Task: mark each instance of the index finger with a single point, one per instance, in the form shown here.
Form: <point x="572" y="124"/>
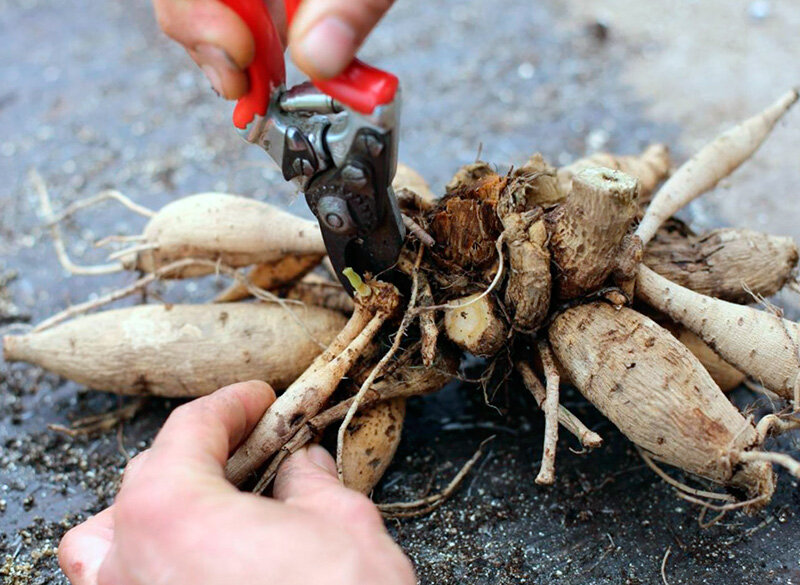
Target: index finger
<point x="202" y="433"/>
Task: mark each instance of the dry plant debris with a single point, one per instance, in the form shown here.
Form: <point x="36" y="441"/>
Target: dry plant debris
<point x="577" y="275"/>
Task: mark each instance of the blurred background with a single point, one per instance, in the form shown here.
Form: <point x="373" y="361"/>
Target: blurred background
<point x="93" y="96"/>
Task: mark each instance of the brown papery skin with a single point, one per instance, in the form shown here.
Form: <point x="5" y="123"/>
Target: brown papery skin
<point x="657" y="393"/>
<point x="370" y="443"/>
<point x="759" y="343"/>
<point x="733" y="264"/>
<point x="586" y="231"/>
<point x="180" y="350"/>
<point x="650" y="167"/>
<point x="235" y="230"/>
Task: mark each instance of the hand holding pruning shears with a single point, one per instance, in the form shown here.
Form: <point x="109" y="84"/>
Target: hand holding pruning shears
<point x="323" y="38"/>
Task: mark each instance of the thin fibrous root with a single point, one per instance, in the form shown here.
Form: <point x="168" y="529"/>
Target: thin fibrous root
<point x="100" y="423"/>
<point x="546" y="474"/>
<point x="126" y="202"/>
<point x="711" y="164"/>
<point x="721" y="508"/>
<point x="587" y="437"/>
<point x="679" y="486"/>
<point x="145" y="281"/>
<point x="428" y="504"/>
<point x="58" y="240"/>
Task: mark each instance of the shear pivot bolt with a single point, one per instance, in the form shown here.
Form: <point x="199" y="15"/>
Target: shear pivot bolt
<point x="355" y="176"/>
<point x="333" y="212"/>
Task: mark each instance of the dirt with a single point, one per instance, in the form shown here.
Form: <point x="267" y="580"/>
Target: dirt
<point x="107" y="102"/>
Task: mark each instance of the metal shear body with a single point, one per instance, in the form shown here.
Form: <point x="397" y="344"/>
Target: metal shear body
<point x="336" y="140"/>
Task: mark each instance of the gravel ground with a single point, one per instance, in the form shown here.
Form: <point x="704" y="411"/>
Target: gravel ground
<point x="107" y="102"/>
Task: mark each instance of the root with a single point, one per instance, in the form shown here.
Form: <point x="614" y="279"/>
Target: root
<point x="126" y="202"/>
<point x="664" y="566"/>
<point x="58" y="239"/>
<point x="782" y="459"/>
<point x="587" y="437"/>
<point x="773" y="425"/>
<point x="428" y="504"/>
<point x="306" y="396"/>
<point x="378" y="369"/>
<point x="681" y="487"/>
<point x="100" y="423"/>
<point x="722" y="509"/>
<point x="498" y="277"/>
<point x="546" y="474"/>
<point x="413" y="227"/>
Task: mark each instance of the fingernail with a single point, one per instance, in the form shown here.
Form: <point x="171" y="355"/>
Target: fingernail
<point x="215" y="62"/>
<point x="328" y="46"/>
<point x="321" y="458"/>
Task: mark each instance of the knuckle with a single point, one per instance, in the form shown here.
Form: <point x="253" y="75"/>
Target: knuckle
<point x="165" y="16"/>
<point x="359" y="508"/>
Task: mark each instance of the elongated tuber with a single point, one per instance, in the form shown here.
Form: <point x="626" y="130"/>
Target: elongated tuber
<point x="650" y="167"/>
<point x="235" y="230"/>
<point x="657" y="393"/>
<point x="180" y="350"/>
<point x="733" y="264"/>
<point x="711" y="164"/>
<point x="761" y="344"/>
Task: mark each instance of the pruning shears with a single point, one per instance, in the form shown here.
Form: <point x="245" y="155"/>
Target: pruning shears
<point x="335" y="139"/>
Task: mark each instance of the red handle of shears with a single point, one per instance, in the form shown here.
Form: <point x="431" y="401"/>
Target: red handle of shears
<point x="360" y="87"/>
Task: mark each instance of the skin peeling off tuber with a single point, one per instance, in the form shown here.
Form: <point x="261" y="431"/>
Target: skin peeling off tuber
<point x="180" y="350"/>
<point x="528" y="286"/>
<point x="476" y="326"/>
<point x="587" y="230"/>
<point x="370" y="443"/>
<point x="234" y="230"/>
<point x="759" y="343"/>
<point x="732" y="264"/>
<point x="650" y="167"/>
<point x="657" y="393"/>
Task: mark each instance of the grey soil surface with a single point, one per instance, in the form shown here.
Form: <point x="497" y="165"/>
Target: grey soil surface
<point x="107" y="102"/>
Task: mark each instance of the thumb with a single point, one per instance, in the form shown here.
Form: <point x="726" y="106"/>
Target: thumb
<point x="325" y="34"/>
<point x="308" y="480"/>
<point x="304" y="473"/>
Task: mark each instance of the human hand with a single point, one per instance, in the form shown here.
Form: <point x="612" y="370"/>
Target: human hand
<point x="177" y="520"/>
<point x="323" y="38"/>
